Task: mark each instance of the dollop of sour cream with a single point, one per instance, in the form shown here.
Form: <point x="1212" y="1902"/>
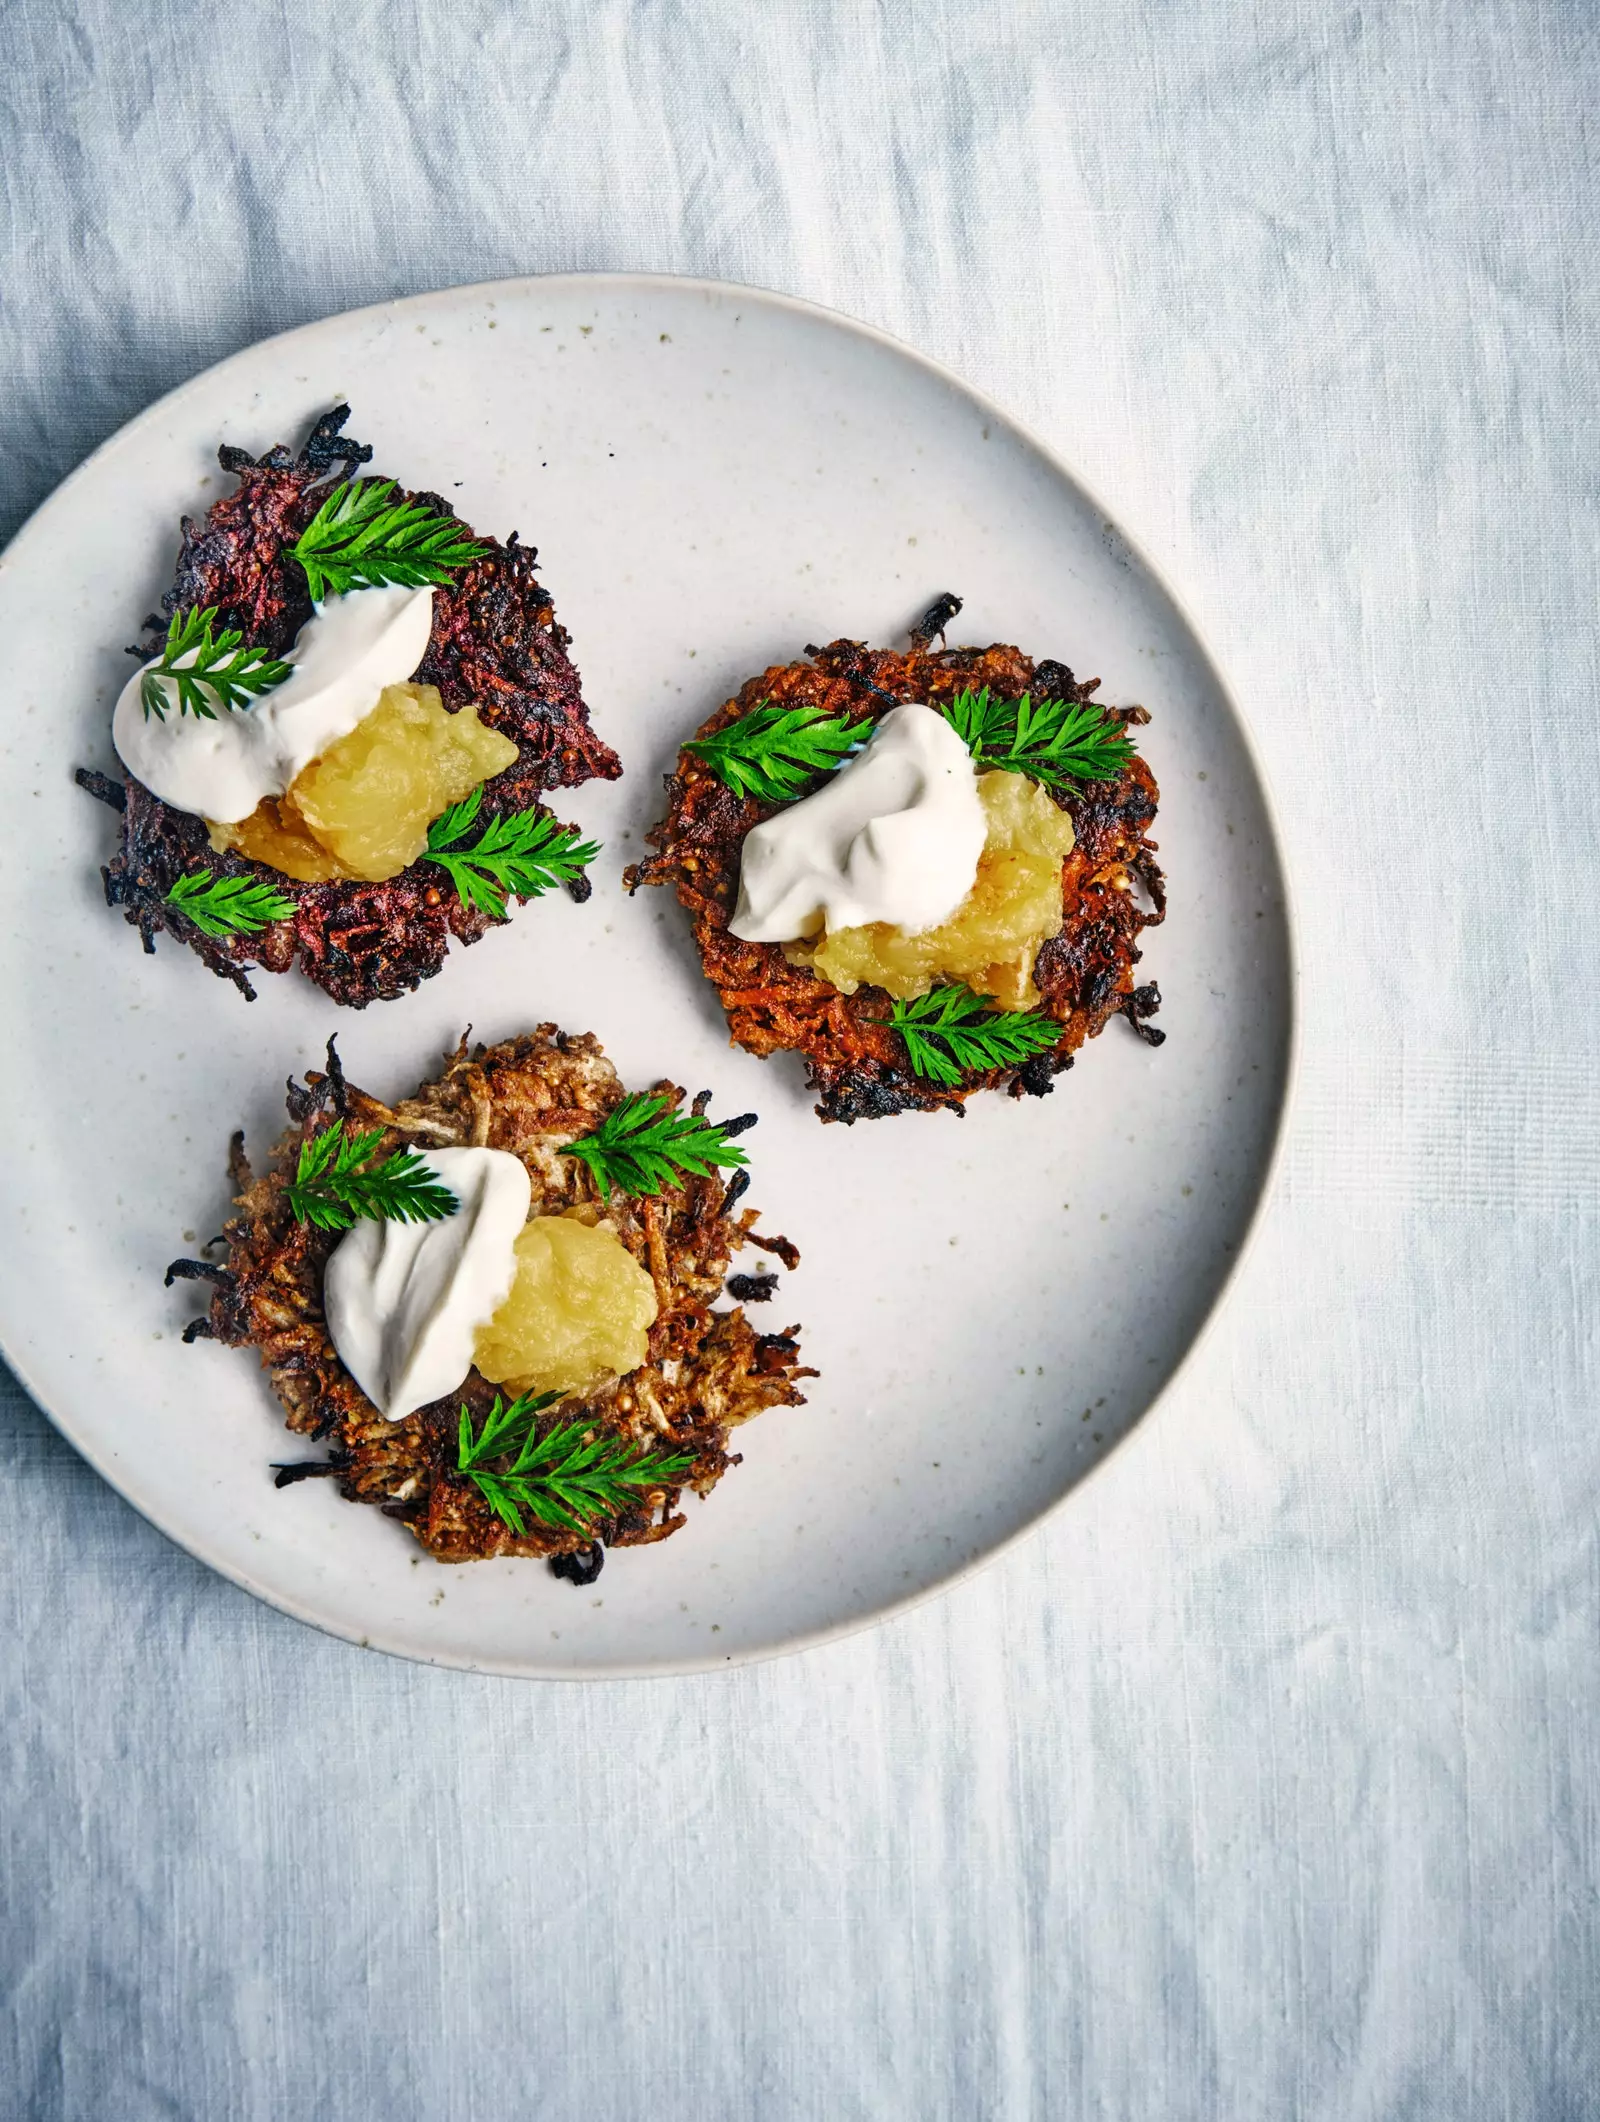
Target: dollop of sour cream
<point x="343" y="657"/>
<point x="894" y="836"/>
<point x="404" y="1301"/>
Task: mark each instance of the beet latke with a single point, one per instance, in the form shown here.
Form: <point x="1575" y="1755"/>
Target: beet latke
<point x="708" y="1370"/>
<point x="853" y="1058"/>
<point x="495" y="643"/>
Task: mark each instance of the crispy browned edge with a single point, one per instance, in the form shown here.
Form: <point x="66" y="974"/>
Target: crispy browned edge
<point x="859" y="1066"/>
<point x="495" y="642"/>
<point x="708" y="1370"/>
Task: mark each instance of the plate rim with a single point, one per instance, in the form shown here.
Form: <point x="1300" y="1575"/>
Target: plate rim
<point x="961" y="1573"/>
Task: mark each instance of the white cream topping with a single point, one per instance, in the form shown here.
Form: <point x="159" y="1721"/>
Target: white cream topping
<point x="343" y="657"/>
<point x="404" y="1301"/>
<point x="894" y="836"/>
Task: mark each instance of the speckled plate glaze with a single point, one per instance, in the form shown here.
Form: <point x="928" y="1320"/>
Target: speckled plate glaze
<point x="714" y="477"/>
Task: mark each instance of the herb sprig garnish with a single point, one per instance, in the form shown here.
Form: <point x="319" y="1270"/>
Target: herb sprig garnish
<point x="523" y="855"/>
<point x="337" y="1183"/>
<point x="1052" y="741"/>
<point x="643" y="1145"/>
<point x="950" y="1030"/>
<point x="773" y="752"/>
<point x="360" y="539"/>
<point x="215" y="670"/>
<point x="228" y="906"/>
<point x="571" y="1479"/>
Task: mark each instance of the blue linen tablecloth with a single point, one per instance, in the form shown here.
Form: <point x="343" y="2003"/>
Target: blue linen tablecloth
<point x="1265" y="1782"/>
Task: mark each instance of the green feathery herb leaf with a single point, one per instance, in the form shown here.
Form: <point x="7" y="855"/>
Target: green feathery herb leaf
<point x="1053" y="741"/>
<point x="228" y="906"/>
<point x="571" y="1479"/>
<point x="204" y="670"/>
<point x="337" y="1183"/>
<point x="773" y="752"/>
<point x="951" y="1030"/>
<point x="523" y="855"/>
<point x="360" y="539"/>
<point x="643" y="1145"/>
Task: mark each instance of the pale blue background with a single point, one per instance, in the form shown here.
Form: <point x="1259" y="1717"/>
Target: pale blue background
<point x="1264" y="1782"/>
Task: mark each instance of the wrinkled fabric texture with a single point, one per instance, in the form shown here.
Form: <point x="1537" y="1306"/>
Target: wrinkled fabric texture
<point x="1263" y="1781"/>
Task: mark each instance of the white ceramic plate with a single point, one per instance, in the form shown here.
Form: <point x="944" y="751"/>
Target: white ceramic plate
<point x="714" y="477"/>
